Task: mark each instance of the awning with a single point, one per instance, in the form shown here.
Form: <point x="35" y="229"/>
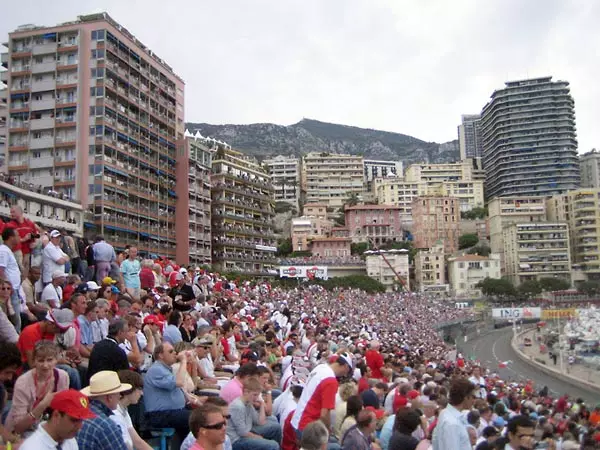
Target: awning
<point x="13" y="96"/>
<point x="144" y="234"/>
<point x="118" y="172"/>
<point x="524" y="266"/>
<point x="50" y="35"/>
<point x="123" y="136"/>
<point x="133" y="141"/>
<point x="110" y="227"/>
<point x="89" y="225"/>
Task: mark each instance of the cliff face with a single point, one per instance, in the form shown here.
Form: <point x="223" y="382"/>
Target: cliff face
<point x="266" y="140"/>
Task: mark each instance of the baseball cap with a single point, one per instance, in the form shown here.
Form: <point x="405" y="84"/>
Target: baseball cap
<point x="179" y="276"/>
<point x="58" y="274"/>
<point x="203" y="341"/>
<point x="412" y="394"/>
<point x="183" y="271"/>
<point x="54" y="234"/>
<point x="93" y="286"/>
<point x="379" y="413"/>
<point x="346" y="358"/>
<point x="82" y="288"/>
<point x="115" y="290"/>
<point x="108" y="280"/>
<point x="62" y="318"/>
<point x="73" y="403"/>
<point x="153" y="320"/>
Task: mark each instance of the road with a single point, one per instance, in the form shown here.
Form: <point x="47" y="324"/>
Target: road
<point x="494" y="348"/>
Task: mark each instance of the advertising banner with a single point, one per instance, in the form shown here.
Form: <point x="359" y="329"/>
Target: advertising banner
<point x="516" y="313"/>
<point x="549" y="314"/>
<point x="308" y="272"/>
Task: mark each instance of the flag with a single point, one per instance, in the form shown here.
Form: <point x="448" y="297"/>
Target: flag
<point x="503" y="364"/>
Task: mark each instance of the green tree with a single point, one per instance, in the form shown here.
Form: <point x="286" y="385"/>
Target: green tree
<point x="401" y="245"/>
<point x="475" y="213"/>
<point x="283" y="207"/>
<point x="340" y="220"/>
<point x="481" y="250"/>
<point x="359" y="248"/>
<point x="554" y="284"/>
<point x="591" y="287"/>
<point x="363" y="282"/>
<point x="284" y="247"/>
<point x="467" y="240"/>
<point x="530" y="288"/>
<point x="352" y="200"/>
<point x="497" y="287"/>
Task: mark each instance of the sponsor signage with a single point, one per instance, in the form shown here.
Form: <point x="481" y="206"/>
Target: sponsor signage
<point x="309" y="272"/>
<point x="548" y="314"/>
<point x="516" y="313"/>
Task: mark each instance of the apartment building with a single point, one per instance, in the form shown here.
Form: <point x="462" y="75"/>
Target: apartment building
<point x="529" y="139"/>
<point x="436" y="219"/>
<point x="318" y="210"/>
<point x="469" y="137"/>
<point x="466" y="271"/>
<point x="194" y="209"/>
<point x="432" y="174"/>
<point x="332" y="178"/>
<point x="381" y="169"/>
<point x="430" y="269"/>
<point x="52" y="211"/>
<point x="285" y="173"/>
<point x="581" y="210"/>
<point x="505" y="211"/>
<point x="3" y="124"/>
<point x="537" y="250"/>
<point x="242" y="214"/>
<point x="96" y="115"/>
<point x="469" y="193"/>
<point x="589" y="165"/>
<point x="400" y="193"/>
<point x="385" y="269"/>
<point x="306" y="228"/>
<point x="330" y="247"/>
<point x="377" y="224"/>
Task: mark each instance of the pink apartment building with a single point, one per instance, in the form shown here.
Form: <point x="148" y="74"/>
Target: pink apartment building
<point x="436" y="218"/>
<point x="330" y="247"/>
<point x="379" y="223"/>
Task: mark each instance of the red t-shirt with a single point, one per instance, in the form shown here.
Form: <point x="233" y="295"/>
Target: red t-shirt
<point x="23" y="229"/>
<point x="30" y="335"/>
<point x="375" y="363"/>
<point x="289" y="440"/>
<point x="68" y="292"/>
<point x="363" y="384"/>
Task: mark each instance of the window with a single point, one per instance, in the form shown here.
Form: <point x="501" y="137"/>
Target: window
<point x="97" y="91"/>
<point x="98" y="35"/>
<point x="98" y="53"/>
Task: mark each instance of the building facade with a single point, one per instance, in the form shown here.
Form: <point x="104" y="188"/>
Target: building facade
<point x="306" y="228"/>
<point x="3" y="125"/>
<point x="433" y="174"/>
<point x="469" y="137"/>
<point x="436" y="219"/>
<point x="285" y="174"/>
<point x="330" y="247"/>
<point x="466" y="271"/>
<point x="242" y="214"/>
<point x="430" y="269"/>
<point x="374" y="223"/>
<point x="589" y="165"/>
<point x="385" y="272"/>
<point x="400" y="193"/>
<point x="529" y="139"/>
<point x="537" y="250"/>
<point x="95" y="115"/>
<point x="318" y="210"/>
<point x="332" y="178"/>
<point x="581" y="210"/>
<point x="381" y="169"/>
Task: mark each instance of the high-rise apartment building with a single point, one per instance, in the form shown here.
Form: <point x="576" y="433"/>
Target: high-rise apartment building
<point x="469" y="136"/>
<point x="589" y="164"/>
<point x="3" y="124"/>
<point x="285" y="174"/>
<point x="381" y="169"/>
<point x="537" y="250"/>
<point x="332" y="178"/>
<point x="96" y="115"/>
<point x="529" y="139"/>
<point x="581" y="210"/>
<point x="436" y="219"/>
<point x="242" y="214"/>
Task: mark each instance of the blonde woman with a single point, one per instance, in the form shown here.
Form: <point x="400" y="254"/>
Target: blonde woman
<point x="8" y="332"/>
<point x="345" y="391"/>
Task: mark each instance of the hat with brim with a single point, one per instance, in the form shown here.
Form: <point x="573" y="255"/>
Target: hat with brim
<point x="62" y="318"/>
<point x="105" y="382"/>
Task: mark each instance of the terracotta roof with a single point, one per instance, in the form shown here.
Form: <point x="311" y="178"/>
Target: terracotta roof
<point x="363" y="207"/>
<point x="469" y="258"/>
<point x="327" y="239"/>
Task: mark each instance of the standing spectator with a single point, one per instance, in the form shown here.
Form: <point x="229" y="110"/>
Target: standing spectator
<point x="68" y="410"/>
<point x="102" y="433"/>
<point x="53" y="258"/>
<point x="164" y="399"/>
<point x="479" y="382"/>
<point x="52" y="294"/>
<point x="208" y="427"/>
<point x="374" y="360"/>
<point x="107" y="354"/>
<point x="451" y="431"/>
<point x="88" y="254"/>
<point x="9" y="270"/>
<point x="359" y="437"/>
<point x="104" y="255"/>
<point x="130" y="271"/>
<point x="70" y="248"/>
<point x="26" y="231"/>
<point x="182" y="294"/>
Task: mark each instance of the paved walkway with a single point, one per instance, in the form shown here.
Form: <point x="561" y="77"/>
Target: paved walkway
<point x="576" y="370"/>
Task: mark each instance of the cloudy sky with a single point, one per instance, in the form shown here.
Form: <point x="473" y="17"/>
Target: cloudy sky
<point x="407" y="66"/>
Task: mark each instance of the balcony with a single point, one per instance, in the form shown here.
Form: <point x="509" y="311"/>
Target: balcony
<point x="44" y="67"/>
<point x="38" y="163"/>
<point x="44" y="85"/>
<point x="43" y="142"/>
<point x="45" y="48"/>
<point x="4" y="76"/>
<point x="20" y="68"/>
<point x="41" y="124"/>
<point x="39" y="105"/>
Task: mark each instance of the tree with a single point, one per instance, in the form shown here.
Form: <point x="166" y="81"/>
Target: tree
<point x="591" y="287"/>
<point x="340" y="220"/>
<point x="467" y="240"/>
<point x="530" y="288"/>
<point x="401" y="245"/>
<point x="363" y="282"/>
<point x="283" y="207"/>
<point x="284" y="247"/>
<point x="475" y="213"/>
<point x="359" y="248"/>
<point x="481" y="250"/>
<point x="352" y="200"/>
<point x="554" y="284"/>
<point x="496" y="287"/>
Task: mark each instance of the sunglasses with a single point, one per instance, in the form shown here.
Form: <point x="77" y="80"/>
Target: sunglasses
<point x="216" y="426"/>
<point x="6" y="288"/>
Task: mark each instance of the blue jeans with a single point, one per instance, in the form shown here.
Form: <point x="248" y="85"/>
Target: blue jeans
<point x="74" y="378"/>
<point x="270" y="430"/>
<point x="254" y="444"/>
<point x="16" y="304"/>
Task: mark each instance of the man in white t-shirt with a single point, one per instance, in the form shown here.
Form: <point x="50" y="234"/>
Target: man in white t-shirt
<point x="9" y="270"/>
<point x="52" y="294"/>
<point x="479" y="382"/>
<point x="53" y="258"/>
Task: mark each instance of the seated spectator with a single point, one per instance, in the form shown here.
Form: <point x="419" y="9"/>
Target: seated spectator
<point x="234" y="388"/>
<point x="315" y="436"/>
<point x="52" y="294"/>
<point x="57" y="321"/>
<point x="35" y="389"/>
<point x="188" y="328"/>
<point x="102" y="433"/>
<point x="360" y="436"/>
<point x="89" y="316"/>
<point x="131" y="346"/>
<point x="121" y="414"/>
<point x="164" y="399"/>
<point x="8" y="333"/>
<point x="289" y="439"/>
<point x="245" y="418"/>
<point x="353" y="408"/>
<point x="196" y="420"/>
<point x="10" y="361"/>
<point x="172" y="334"/>
<point x="374" y="396"/>
<point x="106" y="354"/>
<point x="345" y="391"/>
<point x="100" y="325"/>
<point x="68" y="409"/>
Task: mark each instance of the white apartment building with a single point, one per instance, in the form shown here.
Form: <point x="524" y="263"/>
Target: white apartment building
<point x="537" y="250"/>
<point x="3" y="116"/>
<point x="332" y="178"/>
<point x="466" y="271"/>
<point x="466" y="170"/>
<point x="381" y="169"/>
<point x="589" y="166"/>
<point x="285" y="173"/>
<point x="430" y="269"/>
<point x="379" y="269"/>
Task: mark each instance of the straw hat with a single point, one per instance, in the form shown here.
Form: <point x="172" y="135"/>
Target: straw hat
<point x="104" y="383"/>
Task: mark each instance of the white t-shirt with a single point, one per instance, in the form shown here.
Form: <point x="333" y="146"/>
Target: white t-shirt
<point x="207" y="365"/>
<point x="52" y="293"/>
<point x="50" y="255"/>
<point x="10" y="266"/>
<point x="121" y="417"/>
<point x="41" y="440"/>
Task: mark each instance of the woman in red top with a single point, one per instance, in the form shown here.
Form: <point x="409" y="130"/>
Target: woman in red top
<point x="147" y="279"/>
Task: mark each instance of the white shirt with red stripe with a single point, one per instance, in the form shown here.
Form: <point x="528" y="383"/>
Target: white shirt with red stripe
<point x="319" y="393"/>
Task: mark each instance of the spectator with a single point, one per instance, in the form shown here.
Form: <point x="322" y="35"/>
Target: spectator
<point x="520" y="433"/>
<point x="68" y="409"/>
<point x="102" y="433"/>
<point x="359" y="437"/>
<point x="164" y="399"/>
<point x="234" y="388"/>
<point x="353" y="407"/>
<point x="172" y="334"/>
<point x="147" y="280"/>
<point x="85" y="320"/>
<point x="100" y="325"/>
<point x="346" y="391"/>
<point x="52" y="294"/>
<point x="407" y="421"/>
<point x="451" y="431"/>
<point x="10" y="362"/>
<point x="32" y="295"/>
<point x="104" y="255"/>
<point x="9" y="270"/>
<point x="374" y="396"/>
<point x="7" y="329"/>
<point x="182" y="294"/>
<point x="479" y="382"/>
<point x="489" y="435"/>
<point x="245" y="418"/>
<point x="106" y="354"/>
<point x="26" y="232"/>
<point x="53" y="258"/>
<point x="315" y="436"/>
<point x="374" y="360"/>
<point x="188" y="328"/>
<point x="199" y="421"/>
<point x="57" y="321"/>
<point x="130" y="271"/>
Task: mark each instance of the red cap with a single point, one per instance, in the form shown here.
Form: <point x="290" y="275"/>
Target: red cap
<point x="151" y="319"/>
<point x="412" y="394"/>
<point x="379" y="413"/>
<point x="73" y="403"/>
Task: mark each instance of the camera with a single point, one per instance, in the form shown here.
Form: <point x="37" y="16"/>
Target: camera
<point x="35" y="235"/>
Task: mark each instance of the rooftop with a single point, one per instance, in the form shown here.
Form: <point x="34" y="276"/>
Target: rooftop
<point x="364" y="207"/>
<point x="469" y="258"/>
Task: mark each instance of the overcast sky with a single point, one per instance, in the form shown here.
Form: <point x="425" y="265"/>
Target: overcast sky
<point x="411" y="67"/>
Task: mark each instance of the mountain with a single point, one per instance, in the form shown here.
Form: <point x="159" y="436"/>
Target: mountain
<point x="266" y="139"/>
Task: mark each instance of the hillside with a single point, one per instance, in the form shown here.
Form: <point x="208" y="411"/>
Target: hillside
<point x="267" y="139"/>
